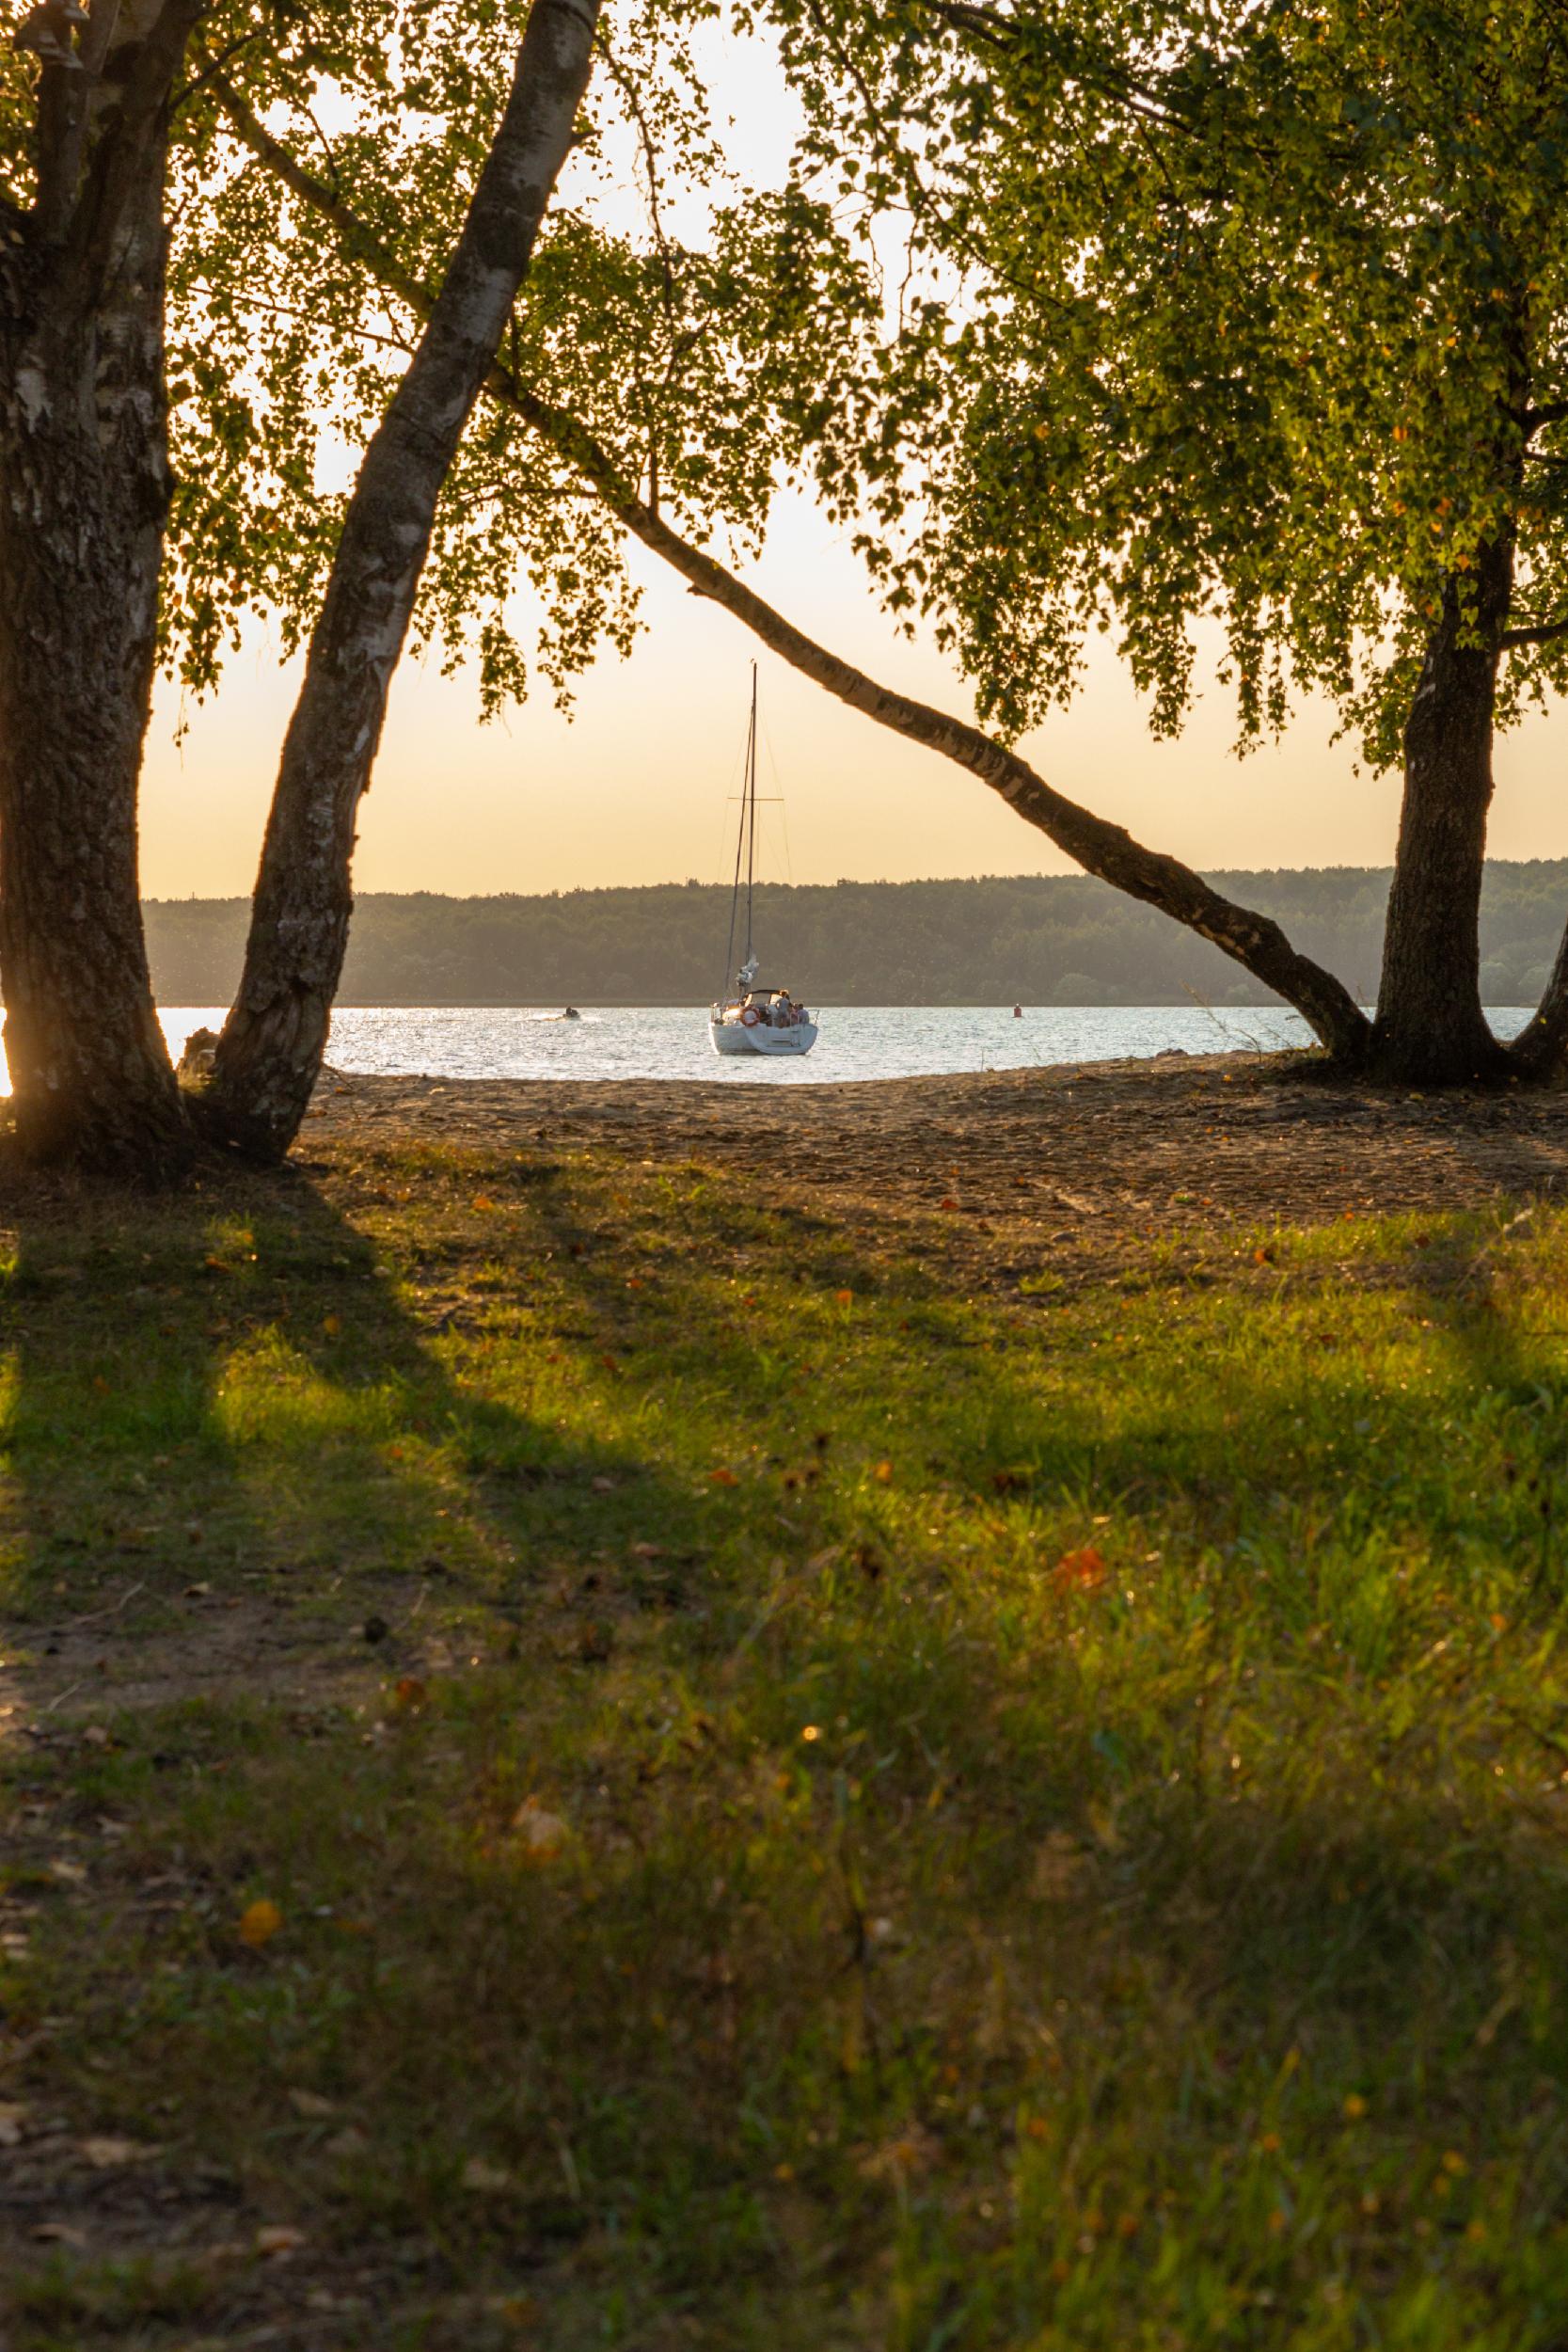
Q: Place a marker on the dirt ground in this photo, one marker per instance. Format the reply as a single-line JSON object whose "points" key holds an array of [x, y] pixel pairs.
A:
{"points": [[1104, 1147]]}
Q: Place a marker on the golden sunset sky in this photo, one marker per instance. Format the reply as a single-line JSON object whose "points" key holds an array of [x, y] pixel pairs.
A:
{"points": [[634, 790]]}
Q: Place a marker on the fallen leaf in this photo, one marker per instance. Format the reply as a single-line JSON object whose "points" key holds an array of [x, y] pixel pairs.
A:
{"points": [[259, 1923], [541, 1835], [105, 2153], [332, 1325], [884, 1473], [486, 2178], [277, 2240], [844, 1298], [1080, 1571], [722, 1478], [948, 1203], [482, 1200], [409, 1692], [602, 1485], [647, 1551], [913, 2151], [310, 2103]]}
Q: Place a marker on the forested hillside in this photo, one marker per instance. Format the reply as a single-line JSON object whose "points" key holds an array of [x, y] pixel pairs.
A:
{"points": [[1046, 941]]}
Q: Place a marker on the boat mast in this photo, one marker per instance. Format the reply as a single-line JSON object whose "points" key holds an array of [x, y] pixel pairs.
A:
{"points": [[751, 807], [748, 816]]}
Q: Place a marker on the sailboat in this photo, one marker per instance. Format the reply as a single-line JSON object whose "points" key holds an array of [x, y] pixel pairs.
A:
{"points": [[755, 1019]]}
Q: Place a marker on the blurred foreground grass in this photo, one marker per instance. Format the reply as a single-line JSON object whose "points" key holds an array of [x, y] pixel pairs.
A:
{"points": [[873, 1810]]}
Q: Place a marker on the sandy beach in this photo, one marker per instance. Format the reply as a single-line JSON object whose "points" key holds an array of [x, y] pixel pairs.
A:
{"points": [[1087, 1151]]}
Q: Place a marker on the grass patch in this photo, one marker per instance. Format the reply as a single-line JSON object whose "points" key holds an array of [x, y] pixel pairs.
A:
{"points": [[853, 1814]]}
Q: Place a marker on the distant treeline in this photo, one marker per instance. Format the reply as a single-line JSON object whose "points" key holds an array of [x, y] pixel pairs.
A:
{"points": [[1065, 941]]}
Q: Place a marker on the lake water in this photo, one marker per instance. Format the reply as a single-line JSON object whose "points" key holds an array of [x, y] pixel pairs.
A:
{"points": [[857, 1042]]}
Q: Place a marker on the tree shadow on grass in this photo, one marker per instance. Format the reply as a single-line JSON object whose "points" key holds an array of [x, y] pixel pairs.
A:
{"points": [[916, 1846], [231, 1440]]}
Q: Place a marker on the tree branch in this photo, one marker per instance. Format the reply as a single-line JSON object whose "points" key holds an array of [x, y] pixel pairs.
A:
{"points": [[1545, 634], [1253, 940], [134, 85]]}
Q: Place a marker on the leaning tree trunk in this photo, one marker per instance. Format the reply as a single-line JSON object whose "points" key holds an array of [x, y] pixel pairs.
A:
{"points": [[269, 1055], [1103, 849], [1430, 1027], [84, 492]]}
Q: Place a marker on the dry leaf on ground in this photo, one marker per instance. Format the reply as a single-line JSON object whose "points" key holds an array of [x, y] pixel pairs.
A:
{"points": [[1080, 1571], [105, 2153], [310, 2103], [278, 2240], [485, 2179], [259, 1923], [543, 1835]]}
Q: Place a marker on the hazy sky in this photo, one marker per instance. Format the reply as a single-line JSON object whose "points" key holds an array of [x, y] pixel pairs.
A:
{"points": [[636, 787]]}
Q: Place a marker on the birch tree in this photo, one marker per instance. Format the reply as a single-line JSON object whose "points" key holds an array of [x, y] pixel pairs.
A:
{"points": [[90, 97], [85, 101], [649, 387], [1247, 315], [270, 1051]]}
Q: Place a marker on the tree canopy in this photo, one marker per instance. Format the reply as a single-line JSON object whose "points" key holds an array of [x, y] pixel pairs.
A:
{"points": [[685, 355], [1248, 313]]}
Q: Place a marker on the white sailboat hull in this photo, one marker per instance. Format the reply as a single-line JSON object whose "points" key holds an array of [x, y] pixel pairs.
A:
{"points": [[734, 1036]]}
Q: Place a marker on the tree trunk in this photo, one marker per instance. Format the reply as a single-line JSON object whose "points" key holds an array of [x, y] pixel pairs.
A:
{"points": [[1541, 1048], [270, 1053], [83, 495], [1430, 1027]]}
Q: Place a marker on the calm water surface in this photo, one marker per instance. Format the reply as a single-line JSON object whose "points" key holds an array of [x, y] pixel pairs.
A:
{"points": [[858, 1042]]}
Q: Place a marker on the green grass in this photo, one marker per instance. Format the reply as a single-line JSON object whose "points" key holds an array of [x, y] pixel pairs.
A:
{"points": [[943, 1814]]}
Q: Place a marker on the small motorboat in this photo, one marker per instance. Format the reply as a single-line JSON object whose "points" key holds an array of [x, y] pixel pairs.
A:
{"points": [[571, 1013], [754, 1019]]}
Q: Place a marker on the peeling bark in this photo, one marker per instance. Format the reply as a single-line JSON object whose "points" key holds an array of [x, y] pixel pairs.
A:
{"points": [[83, 495], [270, 1052]]}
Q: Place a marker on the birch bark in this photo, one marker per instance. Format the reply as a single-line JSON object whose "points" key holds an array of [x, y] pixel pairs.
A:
{"points": [[84, 493], [270, 1052]]}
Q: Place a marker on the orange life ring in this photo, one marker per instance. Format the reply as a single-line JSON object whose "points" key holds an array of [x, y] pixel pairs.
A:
{"points": [[750, 1017]]}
